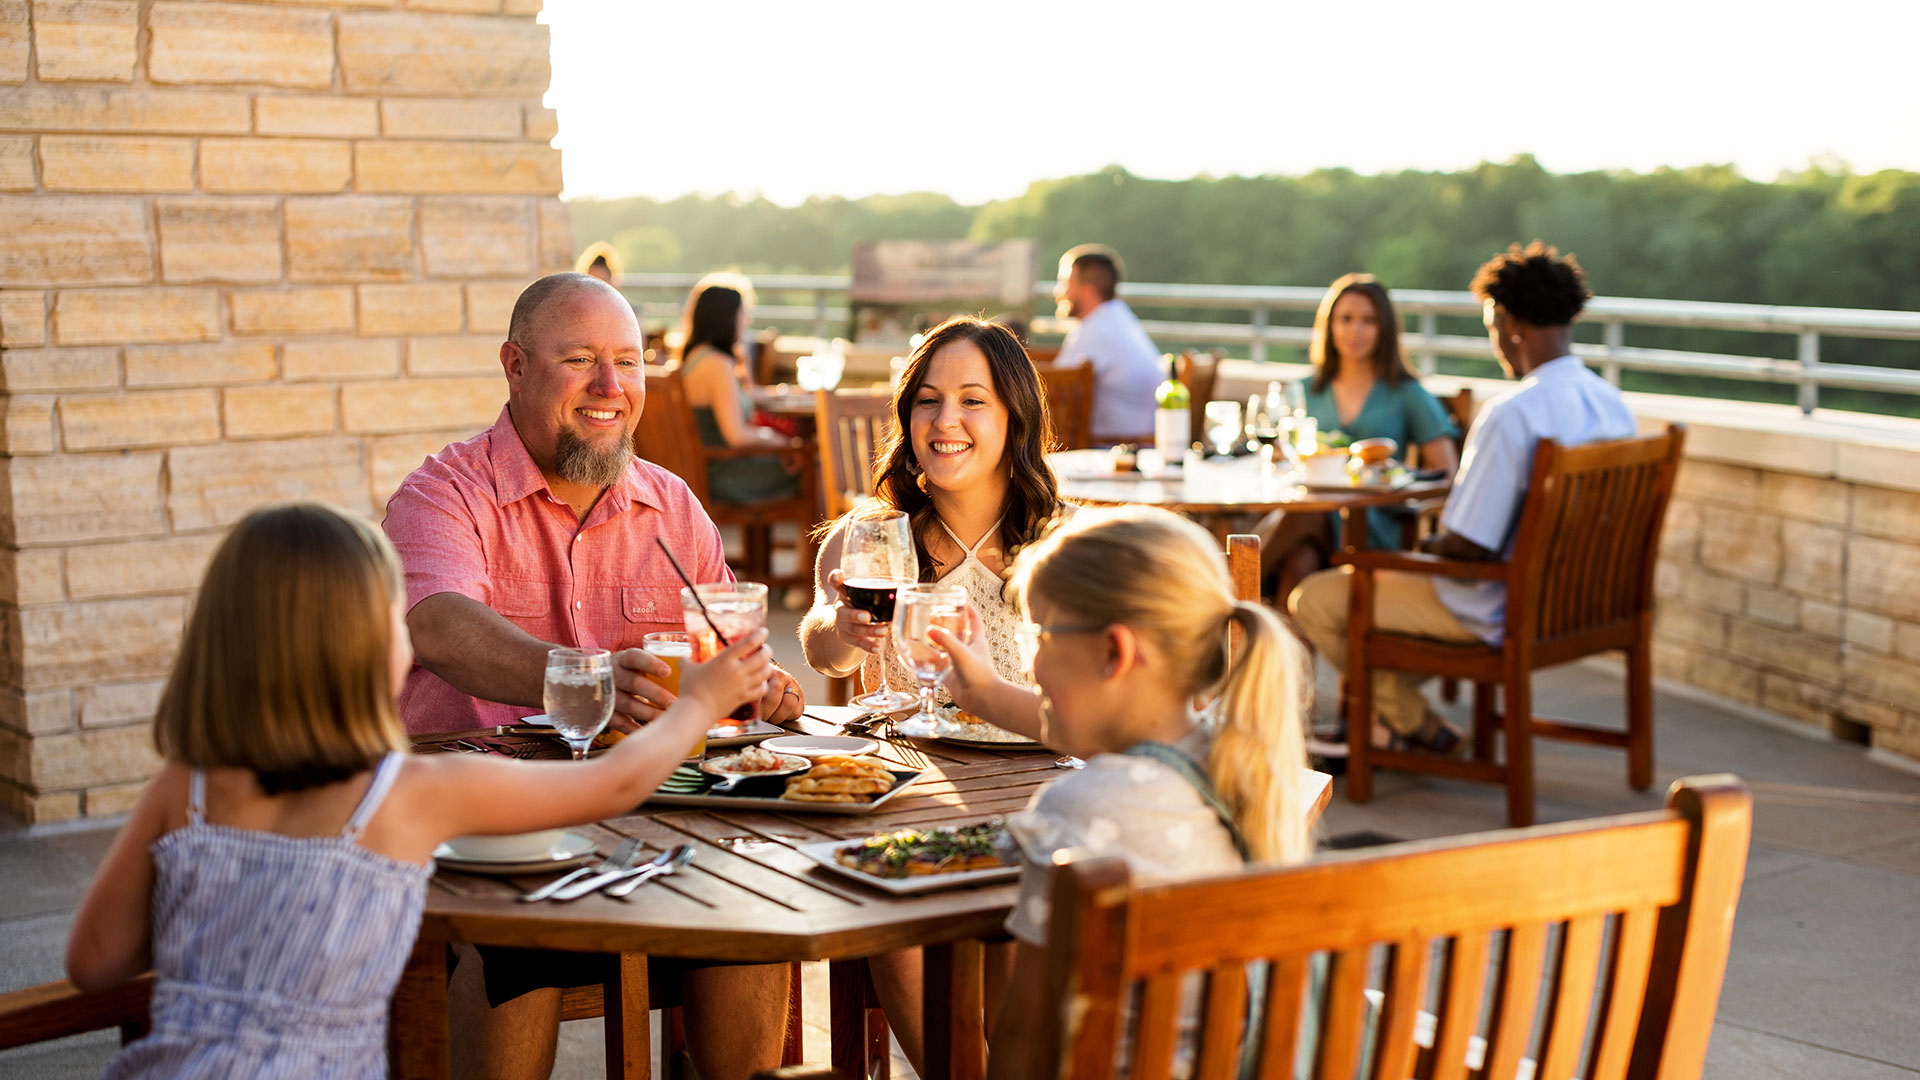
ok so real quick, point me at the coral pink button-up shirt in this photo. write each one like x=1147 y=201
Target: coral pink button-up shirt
x=478 y=519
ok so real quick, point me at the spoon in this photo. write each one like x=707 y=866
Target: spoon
x=680 y=855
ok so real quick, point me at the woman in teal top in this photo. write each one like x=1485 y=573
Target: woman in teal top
x=1376 y=397
x=718 y=313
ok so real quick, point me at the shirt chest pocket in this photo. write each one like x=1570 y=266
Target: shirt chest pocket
x=520 y=599
x=651 y=604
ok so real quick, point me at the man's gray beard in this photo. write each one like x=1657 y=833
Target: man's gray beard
x=578 y=462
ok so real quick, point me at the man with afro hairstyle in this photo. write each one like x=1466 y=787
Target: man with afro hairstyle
x=1530 y=297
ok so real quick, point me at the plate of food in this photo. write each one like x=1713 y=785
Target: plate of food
x=978 y=733
x=833 y=784
x=721 y=738
x=753 y=764
x=919 y=860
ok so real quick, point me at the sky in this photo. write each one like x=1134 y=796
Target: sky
x=978 y=100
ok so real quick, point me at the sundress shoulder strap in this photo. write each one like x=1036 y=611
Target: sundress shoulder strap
x=1202 y=784
x=992 y=530
x=197 y=798
x=383 y=777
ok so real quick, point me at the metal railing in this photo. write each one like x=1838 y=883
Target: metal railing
x=1256 y=332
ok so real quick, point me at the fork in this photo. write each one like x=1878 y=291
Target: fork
x=621 y=859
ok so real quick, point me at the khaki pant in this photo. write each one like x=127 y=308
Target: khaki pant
x=1402 y=604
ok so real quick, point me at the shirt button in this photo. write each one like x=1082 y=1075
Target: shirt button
x=576 y=605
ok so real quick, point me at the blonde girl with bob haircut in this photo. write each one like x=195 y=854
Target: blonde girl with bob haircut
x=1195 y=766
x=272 y=874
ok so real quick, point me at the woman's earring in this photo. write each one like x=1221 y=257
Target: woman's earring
x=1515 y=339
x=913 y=465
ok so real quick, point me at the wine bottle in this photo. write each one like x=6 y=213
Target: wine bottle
x=1173 y=415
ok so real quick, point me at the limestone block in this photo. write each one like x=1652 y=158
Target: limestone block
x=38 y=712
x=1669 y=580
x=200 y=365
x=31 y=576
x=315 y=115
x=49 y=807
x=15 y=42
x=1821 y=619
x=481 y=168
x=1715 y=593
x=476 y=236
x=110 y=800
x=1800 y=700
x=1719 y=675
x=1883 y=577
x=449 y=118
x=139 y=418
x=292 y=311
x=26 y=425
x=523 y=7
x=240 y=43
x=392 y=457
x=115 y=163
x=114 y=316
x=471 y=7
x=1740 y=543
x=23 y=318
x=460 y=56
x=212 y=486
x=218 y=240
x=1772 y=607
x=48 y=108
x=92 y=758
x=85 y=643
x=85 y=40
x=542 y=124
x=1884 y=512
x=1800 y=655
x=1863 y=630
x=556 y=237
x=343 y=358
x=27 y=370
x=275 y=411
x=1874 y=464
x=72 y=240
x=16 y=163
x=69 y=498
x=137 y=568
x=1817 y=499
x=490 y=304
x=1906 y=744
x=453 y=404
x=1811 y=559
x=1863 y=710
x=1706 y=481
x=1691 y=625
x=428 y=308
x=468 y=355
x=1883 y=679
x=349 y=238
x=1680 y=530
x=1672 y=661
x=282 y=166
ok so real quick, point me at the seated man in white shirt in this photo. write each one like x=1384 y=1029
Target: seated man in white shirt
x=1126 y=366
x=1530 y=299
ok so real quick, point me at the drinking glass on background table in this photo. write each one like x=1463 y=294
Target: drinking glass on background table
x=879 y=558
x=737 y=608
x=1223 y=426
x=578 y=694
x=670 y=647
x=917 y=609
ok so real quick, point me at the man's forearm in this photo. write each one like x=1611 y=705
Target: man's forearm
x=1449 y=545
x=477 y=650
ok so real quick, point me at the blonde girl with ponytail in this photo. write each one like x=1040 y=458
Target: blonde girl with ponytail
x=1195 y=760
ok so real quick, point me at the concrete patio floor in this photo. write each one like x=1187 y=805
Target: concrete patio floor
x=1826 y=952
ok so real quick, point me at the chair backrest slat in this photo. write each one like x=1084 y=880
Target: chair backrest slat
x=1406 y=990
x=1624 y=991
x=1343 y=1015
x=1510 y=1031
x=1157 y=1028
x=1223 y=1020
x=1279 y=1022
x=1576 y=965
x=1069 y=398
x=853 y=426
x=667 y=435
x=1458 y=1010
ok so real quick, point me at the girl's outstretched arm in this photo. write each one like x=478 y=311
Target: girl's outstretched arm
x=978 y=688
x=112 y=938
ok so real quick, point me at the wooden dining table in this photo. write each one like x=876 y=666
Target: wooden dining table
x=749 y=895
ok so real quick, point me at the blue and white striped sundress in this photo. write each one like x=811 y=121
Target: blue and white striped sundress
x=275 y=955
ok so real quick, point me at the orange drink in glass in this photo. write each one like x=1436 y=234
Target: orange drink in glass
x=670 y=648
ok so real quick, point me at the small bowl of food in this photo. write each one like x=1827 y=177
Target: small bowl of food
x=518 y=847
x=1324 y=467
x=751 y=764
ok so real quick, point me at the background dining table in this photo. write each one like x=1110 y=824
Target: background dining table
x=749 y=895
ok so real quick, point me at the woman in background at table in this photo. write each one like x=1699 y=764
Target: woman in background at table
x=719 y=311
x=1192 y=768
x=1362 y=387
x=272 y=875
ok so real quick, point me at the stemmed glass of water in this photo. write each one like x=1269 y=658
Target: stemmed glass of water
x=579 y=695
x=916 y=610
x=879 y=558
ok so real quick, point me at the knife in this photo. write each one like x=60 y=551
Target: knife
x=682 y=855
x=621 y=859
x=578 y=889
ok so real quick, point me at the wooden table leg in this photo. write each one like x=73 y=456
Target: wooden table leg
x=417 y=1024
x=857 y=1026
x=628 y=1037
x=955 y=1018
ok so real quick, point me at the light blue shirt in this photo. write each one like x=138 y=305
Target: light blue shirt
x=1559 y=400
x=1126 y=369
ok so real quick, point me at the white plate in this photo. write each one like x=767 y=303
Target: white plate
x=572 y=850
x=989 y=744
x=822 y=852
x=752 y=733
x=813 y=746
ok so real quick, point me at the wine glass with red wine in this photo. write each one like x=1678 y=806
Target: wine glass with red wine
x=878 y=559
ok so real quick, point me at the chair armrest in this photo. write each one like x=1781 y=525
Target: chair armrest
x=56 y=1010
x=1413 y=562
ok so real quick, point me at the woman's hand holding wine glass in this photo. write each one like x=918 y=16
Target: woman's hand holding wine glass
x=856 y=627
x=879 y=560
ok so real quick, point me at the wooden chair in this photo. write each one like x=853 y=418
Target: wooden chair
x=1579 y=581
x=1069 y=393
x=668 y=437
x=1201 y=373
x=852 y=426
x=1628 y=919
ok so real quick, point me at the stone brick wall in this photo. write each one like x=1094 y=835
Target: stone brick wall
x=248 y=252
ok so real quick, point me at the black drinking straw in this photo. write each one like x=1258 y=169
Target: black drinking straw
x=678 y=569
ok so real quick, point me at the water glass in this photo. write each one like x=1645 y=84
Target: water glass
x=917 y=609
x=1223 y=426
x=735 y=608
x=578 y=694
